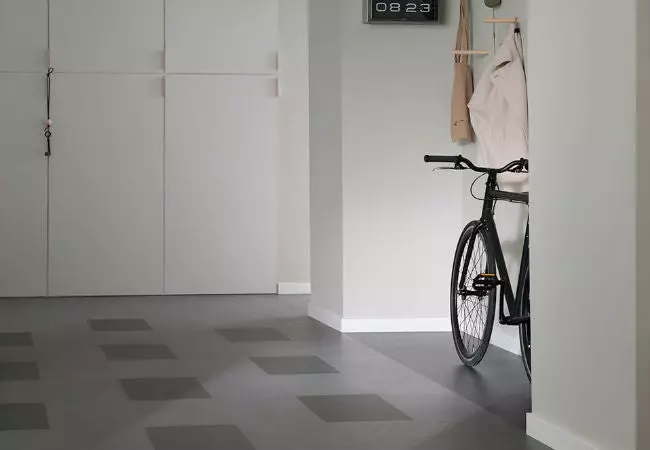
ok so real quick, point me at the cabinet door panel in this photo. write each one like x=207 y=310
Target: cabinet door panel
x=107 y=35
x=23 y=186
x=220 y=185
x=222 y=36
x=106 y=185
x=23 y=35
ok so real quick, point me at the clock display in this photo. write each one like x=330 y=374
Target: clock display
x=403 y=11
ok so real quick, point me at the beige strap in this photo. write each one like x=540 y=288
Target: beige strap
x=463 y=34
x=461 y=127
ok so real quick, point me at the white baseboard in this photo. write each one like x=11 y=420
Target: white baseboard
x=553 y=436
x=505 y=341
x=325 y=316
x=343 y=325
x=394 y=325
x=499 y=337
x=294 y=288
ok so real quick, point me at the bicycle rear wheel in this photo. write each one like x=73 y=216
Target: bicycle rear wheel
x=472 y=312
x=524 y=328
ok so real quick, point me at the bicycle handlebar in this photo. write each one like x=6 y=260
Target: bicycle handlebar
x=441 y=159
x=461 y=163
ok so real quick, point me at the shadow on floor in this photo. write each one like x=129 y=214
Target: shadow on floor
x=499 y=384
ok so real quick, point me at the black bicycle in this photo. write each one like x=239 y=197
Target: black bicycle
x=480 y=270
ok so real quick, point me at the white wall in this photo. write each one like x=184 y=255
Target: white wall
x=383 y=226
x=325 y=161
x=582 y=142
x=293 y=168
x=643 y=225
x=400 y=219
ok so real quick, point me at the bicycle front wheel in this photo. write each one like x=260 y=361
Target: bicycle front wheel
x=472 y=312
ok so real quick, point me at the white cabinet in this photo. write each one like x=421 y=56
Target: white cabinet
x=23 y=186
x=220 y=184
x=117 y=36
x=222 y=36
x=23 y=35
x=106 y=185
x=143 y=193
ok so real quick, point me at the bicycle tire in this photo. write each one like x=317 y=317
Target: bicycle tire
x=524 y=328
x=478 y=338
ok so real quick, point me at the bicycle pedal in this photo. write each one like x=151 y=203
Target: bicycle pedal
x=486 y=282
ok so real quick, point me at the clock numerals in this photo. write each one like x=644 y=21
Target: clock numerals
x=394 y=7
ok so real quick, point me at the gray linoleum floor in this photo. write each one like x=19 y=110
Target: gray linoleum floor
x=241 y=373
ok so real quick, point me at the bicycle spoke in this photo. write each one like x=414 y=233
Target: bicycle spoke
x=471 y=310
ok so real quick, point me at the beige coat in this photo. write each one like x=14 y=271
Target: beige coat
x=499 y=108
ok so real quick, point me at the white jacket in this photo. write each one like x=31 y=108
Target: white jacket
x=499 y=109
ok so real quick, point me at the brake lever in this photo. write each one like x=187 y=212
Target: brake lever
x=440 y=169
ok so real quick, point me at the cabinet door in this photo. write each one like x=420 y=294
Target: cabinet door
x=23 y=35
x=221 y=138
x=106 y=185
x=107 y=35
x=23 y=186
x=222 y=36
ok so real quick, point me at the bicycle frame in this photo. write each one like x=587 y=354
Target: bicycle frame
x=492 y=195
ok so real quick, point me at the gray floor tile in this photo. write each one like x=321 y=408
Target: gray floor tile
x=136 y=352
x=23 y=416
x=216 y=437
x=483 y=431
x=252 y=335
x=119 y=325
x=19 y=371
x=162 y=389
x=451 y=407
x=16 y=340
x=293 y=365
x=352 y=408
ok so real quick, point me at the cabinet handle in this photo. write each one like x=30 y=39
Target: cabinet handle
x=48 y=123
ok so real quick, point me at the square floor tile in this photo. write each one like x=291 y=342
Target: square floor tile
x=16 y=340
x=252 y=335
x=137 y=352
x=293 y=365
x=19 y=371
x=216 y=437
x=119 y=325
x=352 y=408
x=23 y=416
x=161 y=389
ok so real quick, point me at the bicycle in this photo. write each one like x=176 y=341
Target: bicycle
x=480 y=269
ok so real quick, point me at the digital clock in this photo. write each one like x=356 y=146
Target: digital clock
x=402 y=11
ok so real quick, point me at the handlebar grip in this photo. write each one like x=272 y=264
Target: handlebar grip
x=441 y=159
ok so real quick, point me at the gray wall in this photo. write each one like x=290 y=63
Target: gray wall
x=325 y=156
x=583 y=211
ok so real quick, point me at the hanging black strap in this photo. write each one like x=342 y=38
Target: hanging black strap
x=48 y=124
